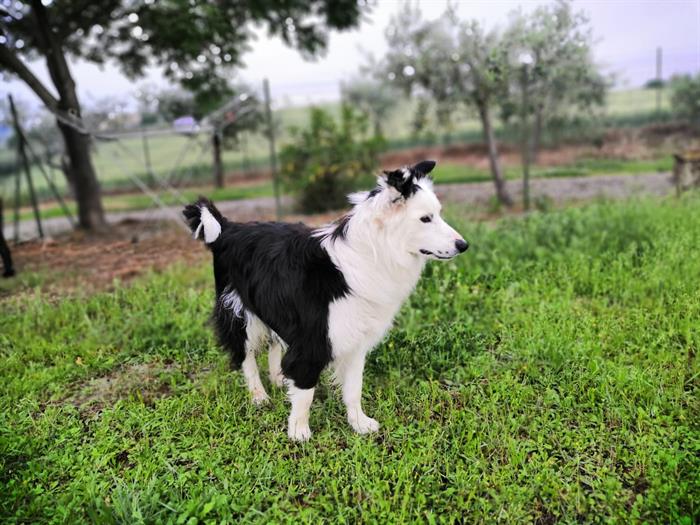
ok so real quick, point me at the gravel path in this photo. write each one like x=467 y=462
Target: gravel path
x=558 y=189
x=564 y=189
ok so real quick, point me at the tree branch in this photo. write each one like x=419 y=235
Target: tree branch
x=12 y=62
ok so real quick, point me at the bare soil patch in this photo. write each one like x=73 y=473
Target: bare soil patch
x=146 y=382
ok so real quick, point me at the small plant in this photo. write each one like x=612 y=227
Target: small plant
x=328 y=160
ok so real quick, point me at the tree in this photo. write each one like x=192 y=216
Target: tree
x=455 y=62
x=376 y=99
x=685 y=98
x=197 y=42
x=553 y=49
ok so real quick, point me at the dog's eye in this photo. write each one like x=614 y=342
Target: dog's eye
x=426 y=218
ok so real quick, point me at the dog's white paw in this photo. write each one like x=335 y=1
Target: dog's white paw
x=299 y=431
x=363 y=424
x=259 y=397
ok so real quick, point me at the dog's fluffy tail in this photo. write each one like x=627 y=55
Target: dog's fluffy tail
x=204 y=220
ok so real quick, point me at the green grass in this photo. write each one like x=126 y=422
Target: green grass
x=549 y=374
x=139 y=201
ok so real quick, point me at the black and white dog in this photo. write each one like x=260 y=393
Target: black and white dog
x=323 y=296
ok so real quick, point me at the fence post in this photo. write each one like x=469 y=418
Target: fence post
x=273 y=153
x=18 y=192
x=25 y=162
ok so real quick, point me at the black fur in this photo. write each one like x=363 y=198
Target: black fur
x=406 y=184
x=230 y=332
x=341 y=228
x=282 y=275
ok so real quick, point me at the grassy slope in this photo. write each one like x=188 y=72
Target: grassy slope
x=550 y=373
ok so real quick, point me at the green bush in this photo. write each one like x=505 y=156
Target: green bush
x=329 y=159
x=685 y=98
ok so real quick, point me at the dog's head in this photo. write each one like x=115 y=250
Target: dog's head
x=405 y=209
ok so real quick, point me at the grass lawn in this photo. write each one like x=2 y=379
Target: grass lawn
x=140 y=201
x=549 y=374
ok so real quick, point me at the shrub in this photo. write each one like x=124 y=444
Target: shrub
x=328 y=160
x=685 y=98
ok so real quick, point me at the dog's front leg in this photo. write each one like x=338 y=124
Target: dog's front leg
x=301 y=400
x=349 y=371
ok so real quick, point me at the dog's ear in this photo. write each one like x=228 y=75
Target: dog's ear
x=423 y=167
x=401 y=180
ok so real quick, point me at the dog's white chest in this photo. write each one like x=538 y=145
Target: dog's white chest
x=357 y=325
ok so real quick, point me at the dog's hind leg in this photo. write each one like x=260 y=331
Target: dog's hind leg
x=230 y=328
x=256 y=333
x=274 y=360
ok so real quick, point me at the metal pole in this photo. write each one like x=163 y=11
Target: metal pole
x=273 y=154
x=27 y=171
x=525 y=141
x=18 y=184
x=52 y=186
x=147 y=157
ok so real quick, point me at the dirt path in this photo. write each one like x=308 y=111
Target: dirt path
x=563 y=189
x=558 y=189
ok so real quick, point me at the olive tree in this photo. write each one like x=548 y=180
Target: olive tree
x=454 y=62
x=196 y=42
x=554 y=74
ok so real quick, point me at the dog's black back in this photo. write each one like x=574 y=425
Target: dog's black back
x=283 y=276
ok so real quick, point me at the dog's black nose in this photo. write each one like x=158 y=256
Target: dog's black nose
x=461 y=245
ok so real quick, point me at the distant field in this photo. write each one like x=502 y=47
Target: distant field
x=443 y=174
x=549 y=375
x=178 y=158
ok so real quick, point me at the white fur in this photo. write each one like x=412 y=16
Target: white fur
x=232 y=301
x=381 y=256
x=257 y=333
x=274 y=361
x=298 y=424
x=381 y=260
x=212 y=228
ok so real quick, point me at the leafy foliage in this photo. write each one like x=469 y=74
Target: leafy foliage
x=196 y=42
x=549 y=375
x=563 y=82
x=685 y=98
x=328 y=160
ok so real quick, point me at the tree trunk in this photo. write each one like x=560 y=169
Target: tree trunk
x=218 y=164
x=536 y=135
x=496 y=171
x=83 y=178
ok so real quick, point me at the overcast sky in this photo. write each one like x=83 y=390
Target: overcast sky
x=627 y=34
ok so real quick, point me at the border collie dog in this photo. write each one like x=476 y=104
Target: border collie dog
x=322 y=296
